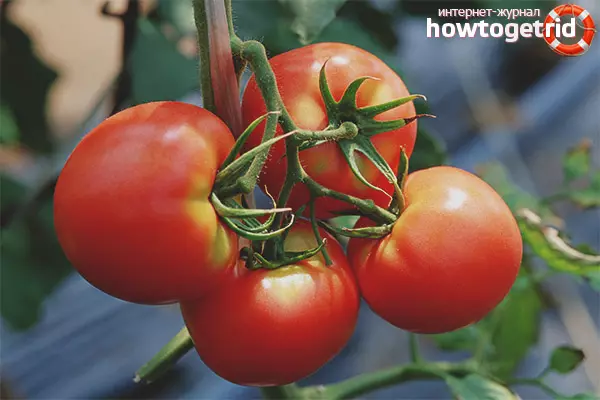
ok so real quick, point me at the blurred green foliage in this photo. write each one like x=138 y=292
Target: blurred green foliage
x=24 y=91
x=33 y=264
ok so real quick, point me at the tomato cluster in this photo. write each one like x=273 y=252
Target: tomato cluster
x=133 y=214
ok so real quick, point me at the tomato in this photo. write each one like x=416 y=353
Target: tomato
x=451 y=257
x=297 y=74
x=131 y=205
x=274 y=327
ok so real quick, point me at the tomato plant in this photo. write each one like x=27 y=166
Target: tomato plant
x=297 y=73
x=451 y=257
x=274 y=327
x=131 y=205
x=156 y=206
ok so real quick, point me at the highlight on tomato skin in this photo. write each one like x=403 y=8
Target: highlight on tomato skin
x=274 y=327
x=297 y=73
x=452 y=256
x=131 y=205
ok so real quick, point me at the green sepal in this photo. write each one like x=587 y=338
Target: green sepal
x=226 y=177
x=291 y=257
x=235 y=212
x=260 y=236
x=398 y=203
x=373 y=111
x=364 y=146
x=241 y=140
x=348 y=100
x=371 y=232
x=251 y=224
x=330 y=103
x=371 y=127
x=314 y=222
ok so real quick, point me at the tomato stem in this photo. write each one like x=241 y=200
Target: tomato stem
x=291 y=391
x=370 y=382
x=200 y=18
x=415 y=354
x=176 y=348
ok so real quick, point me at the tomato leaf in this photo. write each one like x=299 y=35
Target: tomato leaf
x=310 y=17
x=267 y=20
x=26 y=81
x=10 y=130
x=158 y=70
x=462 y=339
x=429 y=151
x=513 y=327
x=179 y=14
x=577 y=161
x=580 y=396
x=476 y=387
x=32 y=262
x=565 y=359
x=560 y=259
x=588 y=197
x=378 y=23
x=516 y=198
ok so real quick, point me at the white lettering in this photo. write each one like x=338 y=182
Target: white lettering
x=512 y=32
x=538 y=25
x=432 y=25
x=466 y=30
x=525 y=30
x=496 y=30
x=568 y=29
x=482 y=26
x=451 y=30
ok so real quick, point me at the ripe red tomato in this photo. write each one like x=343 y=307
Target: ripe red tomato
x=451 y=257
x=297 y=73
x=274 y=327
x=131 y=204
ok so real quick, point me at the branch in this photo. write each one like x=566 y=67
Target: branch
x=168 y=356
x=366 y=383
x=222 y=71
x=200 y=17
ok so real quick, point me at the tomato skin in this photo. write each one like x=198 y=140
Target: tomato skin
x=274 y=327
x=131 y=205
x=451 y=257
x=297 y=74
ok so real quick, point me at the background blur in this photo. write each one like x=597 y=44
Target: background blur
x=518 y=105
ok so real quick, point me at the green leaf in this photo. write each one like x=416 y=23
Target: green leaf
x=497 y=176
x=476 y=387
x=580 y=396
x=556 y=257
x=577 y=161
x=377 y=23
x=593 y=279
x=462 y=339
x=429 y=151
x=12 y=194
x=513 y=327
x=588 y=197
x=31 y=259
x=10 y=131
x=26 y=81
x=310 y=17
x=158 y=70
x=178 y=13
x=565 y=359
x=268 y=21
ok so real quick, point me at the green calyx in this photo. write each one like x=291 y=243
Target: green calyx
x=346 y=111
x=255 y=260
